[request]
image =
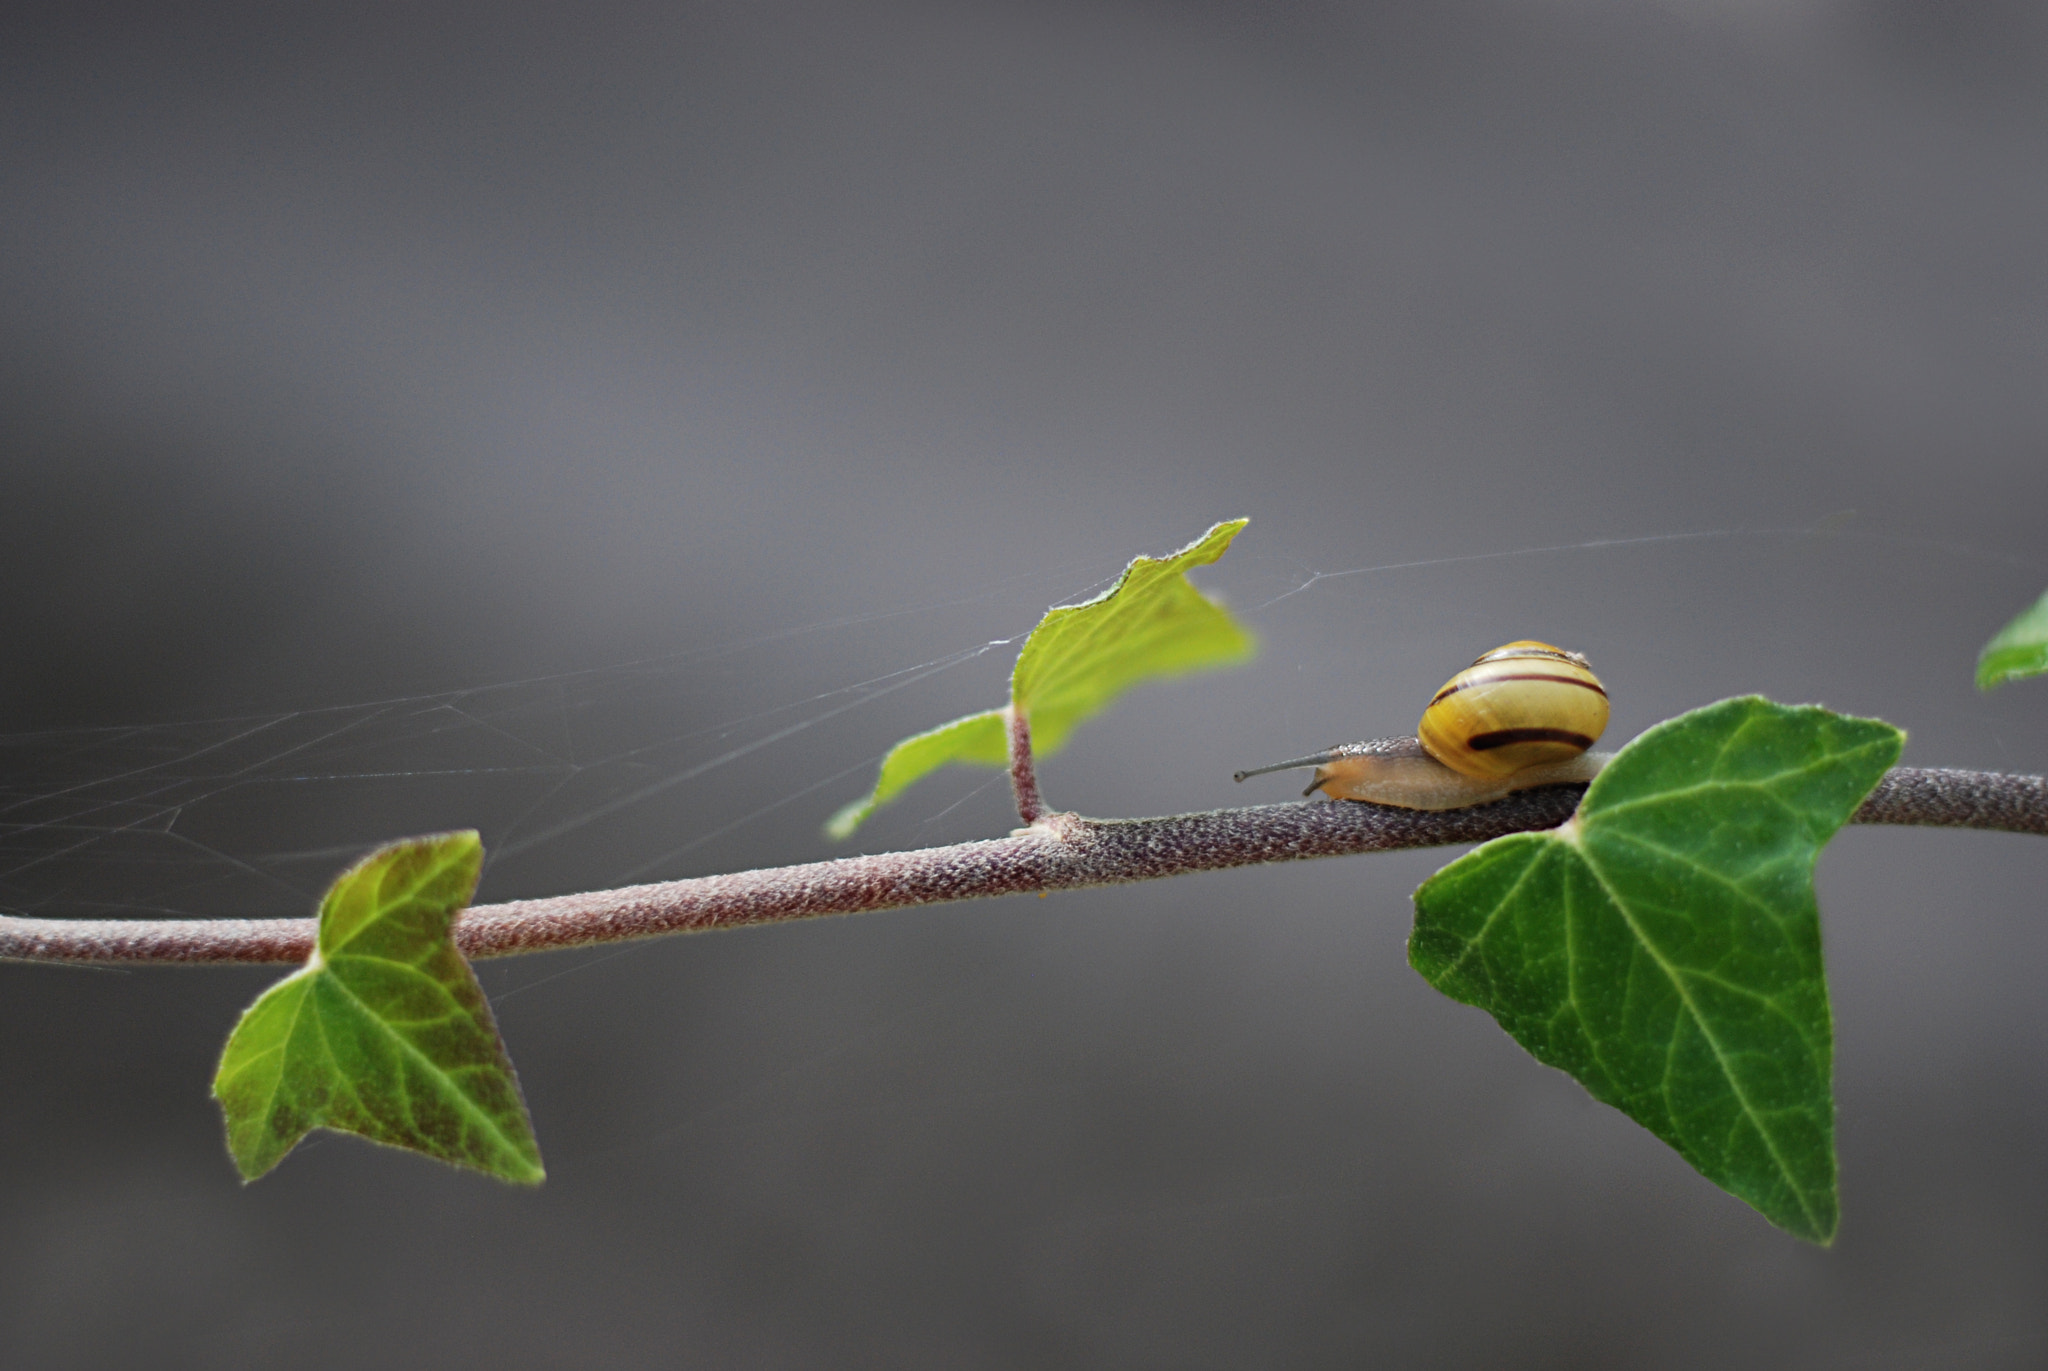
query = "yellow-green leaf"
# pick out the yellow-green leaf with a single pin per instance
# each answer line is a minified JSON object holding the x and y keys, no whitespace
{"x":384,"y":1032}
{"x":979,"y":738}
{"x":1151,"y":625}
{"x":2020,"y":649}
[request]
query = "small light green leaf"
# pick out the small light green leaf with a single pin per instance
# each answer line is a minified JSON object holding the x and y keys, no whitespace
{"x":2019,"y":650}
{"x":385,"y":1031}
{"x":979,"y":738}
{"x":1151,"y":625}
{"x":1664,"y":946}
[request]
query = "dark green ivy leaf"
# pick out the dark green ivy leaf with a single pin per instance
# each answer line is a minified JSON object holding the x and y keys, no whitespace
{"x":1664,"y":946}
{"x":384,"y":1032}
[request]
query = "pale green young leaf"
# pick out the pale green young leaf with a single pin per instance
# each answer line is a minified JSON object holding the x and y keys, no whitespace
{"x":2019,"y":650}
{"x":1664,"y":947}
{"x":384,"y":1032}
{"x":1151,"y":625}
{"x":981,"y":739}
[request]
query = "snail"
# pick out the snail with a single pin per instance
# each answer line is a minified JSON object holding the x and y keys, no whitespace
{"x":1524,"y":715}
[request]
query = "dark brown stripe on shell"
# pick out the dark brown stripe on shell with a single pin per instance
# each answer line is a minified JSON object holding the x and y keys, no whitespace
{"x":1508,"y":737}
{"x":1455,"y":686}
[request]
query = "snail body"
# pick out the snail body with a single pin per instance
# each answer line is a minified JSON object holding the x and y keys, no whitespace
{"x":1524,"y":715}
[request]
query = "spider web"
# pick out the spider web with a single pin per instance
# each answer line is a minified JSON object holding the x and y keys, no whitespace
{"x":252,"y":816}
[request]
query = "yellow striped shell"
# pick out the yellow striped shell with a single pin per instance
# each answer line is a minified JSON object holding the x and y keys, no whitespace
{"x":1522,"y":705}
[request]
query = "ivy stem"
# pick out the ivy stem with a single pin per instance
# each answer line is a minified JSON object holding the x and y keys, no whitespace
{"x":1058,"y":852}
{"x":1023,"y":775}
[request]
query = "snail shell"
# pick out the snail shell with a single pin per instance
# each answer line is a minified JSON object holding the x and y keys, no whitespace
{"x":1521,"y":705}
{"x":1524,"y":715}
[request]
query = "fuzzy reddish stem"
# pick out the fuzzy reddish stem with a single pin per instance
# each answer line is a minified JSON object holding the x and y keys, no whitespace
{"x":1060,"y":852}
{"x":1023,"y":774}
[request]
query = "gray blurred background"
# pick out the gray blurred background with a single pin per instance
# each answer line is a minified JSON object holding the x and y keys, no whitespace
{"x":612,"y":428}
